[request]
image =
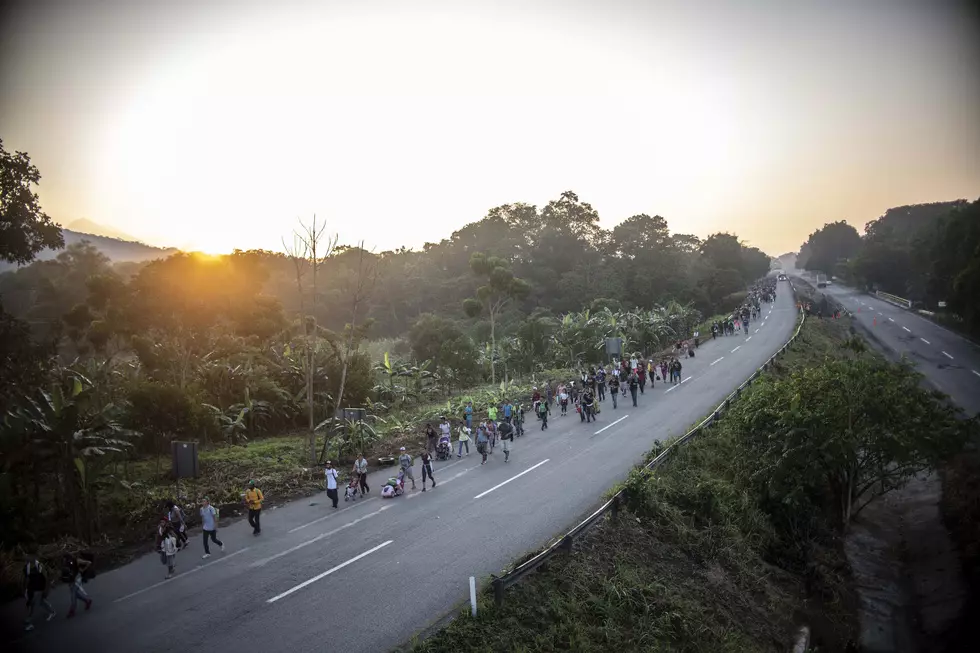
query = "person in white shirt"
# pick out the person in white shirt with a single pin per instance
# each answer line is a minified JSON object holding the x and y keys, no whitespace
{"x":361,"y":469}
{"x":209,"y":518}
{"x":331,"y":475}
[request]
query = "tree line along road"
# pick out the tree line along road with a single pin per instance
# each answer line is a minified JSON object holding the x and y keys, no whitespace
{"x":370,"y":575}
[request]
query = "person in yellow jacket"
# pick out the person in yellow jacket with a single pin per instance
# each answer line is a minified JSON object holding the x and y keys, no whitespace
{"x":253,"y":499}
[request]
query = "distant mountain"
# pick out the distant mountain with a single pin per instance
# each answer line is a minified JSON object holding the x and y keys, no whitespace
{"x":117,"y":249}
{"x":86,"y":226}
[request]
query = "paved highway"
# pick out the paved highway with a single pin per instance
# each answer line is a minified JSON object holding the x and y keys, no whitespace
{"x":368,"y":576}
{"x":950,"y":362}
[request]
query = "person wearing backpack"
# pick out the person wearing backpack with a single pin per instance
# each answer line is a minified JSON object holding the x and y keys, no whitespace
{"x":209,"y":525}
{"x":72,"y":569}
{"x":543,"y":415}
{"x":35,"y":582}
{"x":176,"y":516}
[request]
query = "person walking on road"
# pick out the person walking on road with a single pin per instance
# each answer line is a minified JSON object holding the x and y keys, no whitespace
{"x":253,"y":500}
{"x":468,"y":413}
{"x":634,"y":384}
{"x":405,"y":460}
{"x":519,"y":420}
{"x":427,"y":469}
{"x":507,"y":436}
{"x":209,"y":525}
{"x":71,"y":573}
{"x":492,"y":412}
{"x":588,"y":404}
{"x":430,"y":438}
{"x":508,"y":411}
{"x":482,"y":442}
{"x":331,"y":475}
{"x":361,"y":469}
{"x":614,"y":388}
{"x":176,"y":516}
{"x":543,"y":415}
{"x":464,"y":439}
{"x":35,"y":582}
{"x":170,"y":550}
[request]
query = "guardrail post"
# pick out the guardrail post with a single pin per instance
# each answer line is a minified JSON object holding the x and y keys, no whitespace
{"x":498,"y":591}
{"x":566,"y":543}
{"x":615,"y":506}
{"x":715,"y":416}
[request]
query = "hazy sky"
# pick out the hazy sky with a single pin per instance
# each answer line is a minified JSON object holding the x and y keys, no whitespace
{"x":216,"y":126}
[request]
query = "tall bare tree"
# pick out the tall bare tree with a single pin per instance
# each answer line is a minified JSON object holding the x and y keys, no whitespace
{"x":308,"y":251}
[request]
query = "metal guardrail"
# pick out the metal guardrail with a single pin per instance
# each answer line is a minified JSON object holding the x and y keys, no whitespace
{"x":894,"y":299}
{"x":565,"y":543}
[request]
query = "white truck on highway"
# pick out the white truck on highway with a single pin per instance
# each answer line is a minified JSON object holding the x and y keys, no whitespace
{"x":821,"y":280}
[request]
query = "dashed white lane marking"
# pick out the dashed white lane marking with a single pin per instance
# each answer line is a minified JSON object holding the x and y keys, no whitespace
{"x":440,"y":481}
{"x":891,"y":319}
{"x":907,"y":329}
{"x":925,"y":341}
{"x":611,"y":425}
{"x":749,"y":338}
{"x":333,"y":514}
{"x":737,"y":348}
{"x":757,"y":330}
{"x":975,"y":372}
{"x":265,"y":561}
{"x":673,"y":387}
{"x":947,"y":356}
{"x":328,"y":572}
{"x":183,"y":575}
{"x":500,"y":485}
{"x":719,"y":360}
{"x":687,"y":379}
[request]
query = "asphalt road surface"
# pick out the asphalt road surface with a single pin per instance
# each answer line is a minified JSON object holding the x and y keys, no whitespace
{"x":949,"y":362}
{"x":368,"y":576}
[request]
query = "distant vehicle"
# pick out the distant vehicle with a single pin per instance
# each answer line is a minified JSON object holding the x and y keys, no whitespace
{"x":782,"y":277}
{"x":822,"y":281}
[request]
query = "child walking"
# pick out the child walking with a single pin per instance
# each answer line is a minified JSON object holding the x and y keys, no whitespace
{"x":170,"y":550}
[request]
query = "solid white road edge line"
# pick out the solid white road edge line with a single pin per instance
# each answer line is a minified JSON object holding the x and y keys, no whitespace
{"x":500,"y":485}
{"x":183,"y":575}
{"x":611,"y":425}
{"x":907,"y":329}
{"x":925,"y":341}
{"x":319,"y":537}
{"x":737,"y":348}
{"x":717,"y":361}
{"x":947,"y":356}
{"x":328,"y":572}
{"x":327,"y":516}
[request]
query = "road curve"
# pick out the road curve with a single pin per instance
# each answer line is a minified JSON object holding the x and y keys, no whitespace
{"x":367,"y":577}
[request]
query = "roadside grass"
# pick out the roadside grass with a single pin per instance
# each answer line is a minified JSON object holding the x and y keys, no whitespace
{"x":691,"y":563}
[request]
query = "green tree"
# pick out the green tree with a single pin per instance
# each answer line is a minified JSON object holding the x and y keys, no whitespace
{"x":500,"y":289}
{"x":847,"y":431}
{"x":24,"y":228}
{"x":831,"y":244}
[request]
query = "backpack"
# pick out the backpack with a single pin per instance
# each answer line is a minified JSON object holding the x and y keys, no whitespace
{"x":89,"y":572}
{"x":36,"y":580}
{"x":68,"y":571}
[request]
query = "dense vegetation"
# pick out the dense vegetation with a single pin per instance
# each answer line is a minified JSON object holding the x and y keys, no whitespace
{"x":929,"y":253}
{"x":735,"y":541}
{"x":104,"y":364}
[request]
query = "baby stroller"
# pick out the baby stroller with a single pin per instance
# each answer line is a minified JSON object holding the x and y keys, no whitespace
{"x":394,"y":487}
{"x":444,"y":450}
{"x":353,"y":490}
